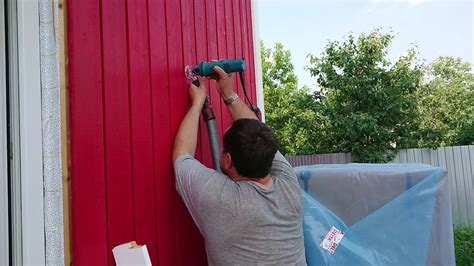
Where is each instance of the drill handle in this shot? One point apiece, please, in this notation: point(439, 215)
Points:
point(206, 69)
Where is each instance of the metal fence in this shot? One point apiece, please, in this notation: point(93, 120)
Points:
point(458, 161)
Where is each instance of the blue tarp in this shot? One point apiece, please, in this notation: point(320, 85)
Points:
point(391, 214)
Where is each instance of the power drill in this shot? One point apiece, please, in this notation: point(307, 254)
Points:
point(206, 69)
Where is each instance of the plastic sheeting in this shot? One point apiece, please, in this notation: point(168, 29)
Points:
point(391, 214)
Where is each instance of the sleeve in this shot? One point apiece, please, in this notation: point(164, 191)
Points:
point(191, 178)
point(282, 168)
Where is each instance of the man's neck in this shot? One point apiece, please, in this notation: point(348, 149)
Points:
point(264, 182)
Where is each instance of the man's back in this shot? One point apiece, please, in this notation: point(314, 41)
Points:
point(242, 223)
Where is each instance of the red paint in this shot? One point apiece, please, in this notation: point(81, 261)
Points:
point(161, 102)
point(128, 95)
point(141, 128)
point(238, 41)
point(230, 41)
point(213, 54)
point(251, 53)
point(201, 54)
point(88, 212)
point(118, 170)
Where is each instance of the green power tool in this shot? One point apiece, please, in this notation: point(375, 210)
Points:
point(206, 69)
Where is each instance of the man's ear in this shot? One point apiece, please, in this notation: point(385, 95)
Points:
point(227, 160)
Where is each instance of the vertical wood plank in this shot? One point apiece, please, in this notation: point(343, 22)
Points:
point(441, 154)
point(397, 158)
point(349, 157)
point(410, 155)
point(213, 54)
point(417, 156)
point(251, 53)
point(425, 156)
point(203, 144)
point(187, 232)
point(403, 156)
point(202, 55)
point(238, 40)
point(119, 185)
point(221, 53)
point(471, 160)
point(245, 48)
point(141, 126)
point(88, 203)
point(468, 186)
point(65, 138)
point(443, 163)
point(434, 158)
point(449, 157)
point(179, 99)
point(230, 40)
point(161, 103)
point(461, 188)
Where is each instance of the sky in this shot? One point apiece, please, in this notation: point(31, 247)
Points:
point(436, 27)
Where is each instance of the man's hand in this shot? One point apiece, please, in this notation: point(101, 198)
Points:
point(237, 109)
point(198, 94)
point(225, 83)
point(186, 137)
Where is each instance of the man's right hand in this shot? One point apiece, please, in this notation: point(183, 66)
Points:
point(237, 109)
point(224, 80)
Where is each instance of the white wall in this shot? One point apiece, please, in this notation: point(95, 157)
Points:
point(257, 57)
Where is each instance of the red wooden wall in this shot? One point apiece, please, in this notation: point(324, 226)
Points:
point(128, 95)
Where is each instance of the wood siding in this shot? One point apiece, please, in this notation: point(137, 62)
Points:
point(127, 96)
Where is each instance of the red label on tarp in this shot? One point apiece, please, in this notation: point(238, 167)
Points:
point(332, 239)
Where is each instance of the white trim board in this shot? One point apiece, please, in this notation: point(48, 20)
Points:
point(27, 200)
point(30, 133)
point(257, 59)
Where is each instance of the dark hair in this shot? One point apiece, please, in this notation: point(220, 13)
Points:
point(252, 147)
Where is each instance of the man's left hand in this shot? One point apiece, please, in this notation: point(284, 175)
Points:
point(198, 94)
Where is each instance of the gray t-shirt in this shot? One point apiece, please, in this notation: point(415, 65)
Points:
point(242, 223)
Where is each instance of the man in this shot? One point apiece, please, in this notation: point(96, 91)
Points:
point(252, 213)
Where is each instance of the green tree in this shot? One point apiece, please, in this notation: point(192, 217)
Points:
point(369, 103)
point(446, 104)
point(291, 112)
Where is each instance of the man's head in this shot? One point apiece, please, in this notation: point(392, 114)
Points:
point(250, 147)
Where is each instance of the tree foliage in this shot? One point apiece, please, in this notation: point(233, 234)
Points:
point(289, 111)
point(370, 102)
point(365, 104)
point(446, 104)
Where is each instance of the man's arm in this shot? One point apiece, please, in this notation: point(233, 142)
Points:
point(186, 137)
point(238, 109)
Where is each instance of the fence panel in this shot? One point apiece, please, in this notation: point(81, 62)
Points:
point(458, 161)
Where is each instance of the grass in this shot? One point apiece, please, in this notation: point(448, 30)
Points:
point(464, 245)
